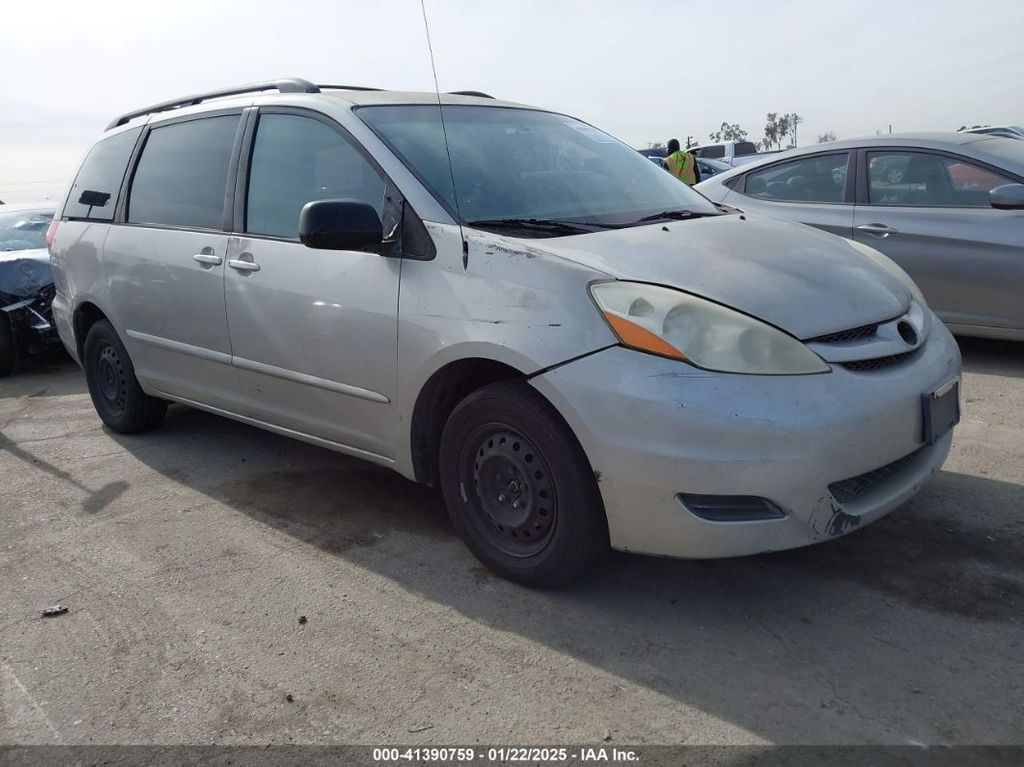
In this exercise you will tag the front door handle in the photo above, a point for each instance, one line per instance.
(244, 263)
(879, 230)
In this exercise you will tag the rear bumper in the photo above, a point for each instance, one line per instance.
(654, 428)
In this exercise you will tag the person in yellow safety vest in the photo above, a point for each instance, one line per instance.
(682, 165)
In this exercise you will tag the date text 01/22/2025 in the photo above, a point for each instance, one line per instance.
(505, 754)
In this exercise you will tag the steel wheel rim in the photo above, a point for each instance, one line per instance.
(110, 381)
(515, 509)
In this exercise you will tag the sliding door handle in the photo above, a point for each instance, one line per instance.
(240, 265)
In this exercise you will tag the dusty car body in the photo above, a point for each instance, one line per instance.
(26, 284)
(580, 351)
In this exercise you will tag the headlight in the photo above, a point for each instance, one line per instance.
(676, 324)
(891, 267)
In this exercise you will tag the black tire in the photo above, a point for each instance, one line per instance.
(518, 487)
(6, 347)
(115, 391)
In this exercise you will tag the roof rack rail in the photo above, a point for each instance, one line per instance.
(347, 87)
(479, 94)
(288, 85)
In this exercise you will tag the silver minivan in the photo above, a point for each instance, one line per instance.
(581, 351)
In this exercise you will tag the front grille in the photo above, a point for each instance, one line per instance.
(844, 336)
(879, 363)
(851, 489)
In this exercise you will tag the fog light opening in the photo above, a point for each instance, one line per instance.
(730, 508)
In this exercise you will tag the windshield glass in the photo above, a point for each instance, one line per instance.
(513, 163)
(23, 230)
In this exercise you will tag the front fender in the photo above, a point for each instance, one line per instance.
(510, 302)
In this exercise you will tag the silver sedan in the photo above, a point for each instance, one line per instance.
(948, 208)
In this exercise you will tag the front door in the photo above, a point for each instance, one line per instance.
(313, 332)
(930, 214)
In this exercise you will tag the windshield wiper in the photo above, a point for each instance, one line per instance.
(674, 215)
(551, 225)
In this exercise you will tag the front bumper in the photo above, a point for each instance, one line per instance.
(31, 321)
(653, 428)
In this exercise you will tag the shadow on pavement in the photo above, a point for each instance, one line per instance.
(44, 376)
(985, 355)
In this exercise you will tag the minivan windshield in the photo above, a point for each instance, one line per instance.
(524, 165)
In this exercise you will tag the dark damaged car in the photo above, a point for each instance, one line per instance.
(26, 284)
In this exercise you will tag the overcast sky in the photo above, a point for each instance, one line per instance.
(643, 71)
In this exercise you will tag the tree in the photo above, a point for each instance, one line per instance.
(824, 138)
(728, 132)
(772, 131)
(778, 127)
(792, 120)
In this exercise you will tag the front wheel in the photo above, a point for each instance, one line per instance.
(6, 347)
(519, 488)
(115, 391)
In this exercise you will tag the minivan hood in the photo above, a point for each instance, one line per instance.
(798, 278)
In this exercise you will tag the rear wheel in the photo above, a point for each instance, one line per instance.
(519, 488)
(6, 347)
(115, 391)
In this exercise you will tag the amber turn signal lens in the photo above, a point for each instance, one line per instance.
(633, 335)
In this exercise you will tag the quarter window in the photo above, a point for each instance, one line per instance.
(929, 180)
(820, 178)
(296, 160)
(94, 193)
(182, 174)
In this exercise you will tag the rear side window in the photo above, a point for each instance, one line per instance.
(820, 178)
(744, 148)
(94, 193)
(714, 152)
(182, 174)
(296, 160)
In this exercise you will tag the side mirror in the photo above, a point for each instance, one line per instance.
(1007, 197)
(339, 225)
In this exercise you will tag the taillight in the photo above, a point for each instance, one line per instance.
(51, 233)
